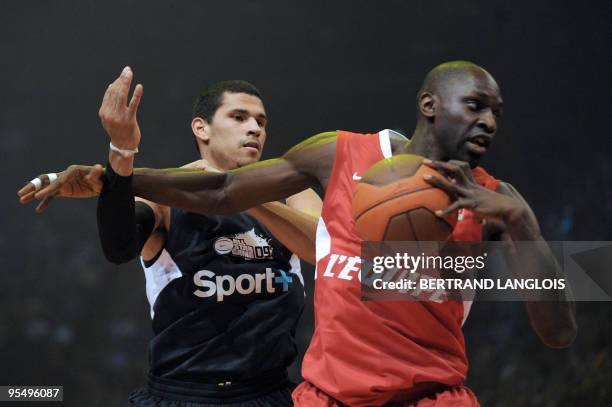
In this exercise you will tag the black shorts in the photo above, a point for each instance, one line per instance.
(273, 390)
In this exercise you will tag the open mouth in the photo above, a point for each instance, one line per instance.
(478, 144)
(481, 140)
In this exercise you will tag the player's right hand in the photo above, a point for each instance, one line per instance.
(118, 117)
(76, 181)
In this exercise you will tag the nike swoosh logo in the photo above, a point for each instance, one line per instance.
(356, 177)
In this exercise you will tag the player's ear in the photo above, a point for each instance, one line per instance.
(201, 129)
(427, 104)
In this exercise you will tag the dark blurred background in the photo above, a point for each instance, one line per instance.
(69, 318)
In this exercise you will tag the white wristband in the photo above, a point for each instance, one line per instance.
(123, 151)
(52, 176)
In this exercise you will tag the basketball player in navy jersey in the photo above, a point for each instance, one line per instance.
(225, 294)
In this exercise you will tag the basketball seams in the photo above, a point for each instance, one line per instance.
(412, 191)
(432, 213)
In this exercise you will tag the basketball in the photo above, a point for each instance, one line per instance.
(393, 202)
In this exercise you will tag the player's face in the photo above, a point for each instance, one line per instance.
(467, 117)
(237, 131)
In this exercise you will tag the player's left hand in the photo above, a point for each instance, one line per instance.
(76, 181)
(460, 184)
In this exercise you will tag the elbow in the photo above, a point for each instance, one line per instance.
(118, 256)
(560, 338)
(554, 323)
(310, 260)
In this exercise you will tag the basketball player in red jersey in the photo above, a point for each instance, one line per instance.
(372, 353)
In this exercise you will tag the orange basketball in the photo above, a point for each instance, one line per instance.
(393, 202)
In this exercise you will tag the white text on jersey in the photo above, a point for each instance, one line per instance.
(244, 284)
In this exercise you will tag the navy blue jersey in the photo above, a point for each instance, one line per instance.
(225, 300)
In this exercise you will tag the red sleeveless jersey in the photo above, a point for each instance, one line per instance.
(367, 353)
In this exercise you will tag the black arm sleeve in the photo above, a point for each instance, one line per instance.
(123, 225)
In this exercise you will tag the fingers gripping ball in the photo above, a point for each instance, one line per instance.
(393, 202)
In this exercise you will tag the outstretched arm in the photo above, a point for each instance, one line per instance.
(294, 223)
(302, 167)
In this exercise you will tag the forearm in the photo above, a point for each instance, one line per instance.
(123, 225)
(213, 192)
(295, 229)
(554, 319)
(191, 190)
(531, 250)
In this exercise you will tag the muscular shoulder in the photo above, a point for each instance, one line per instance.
(314, 156)
(315, 142)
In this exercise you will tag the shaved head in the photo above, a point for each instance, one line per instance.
(445, 75)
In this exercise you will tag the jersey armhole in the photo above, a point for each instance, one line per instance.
(161, 230)
(149, 263)
(384, 137)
